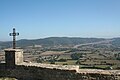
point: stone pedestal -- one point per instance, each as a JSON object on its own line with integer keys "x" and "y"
{"x": 13, "y": 57}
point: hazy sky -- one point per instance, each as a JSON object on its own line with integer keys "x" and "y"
{"x": 35, "y": 19}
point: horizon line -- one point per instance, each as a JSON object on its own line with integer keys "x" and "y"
{"x": 59, "y": 37}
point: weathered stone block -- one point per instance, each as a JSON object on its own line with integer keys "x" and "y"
{"x": 13, "y": 57}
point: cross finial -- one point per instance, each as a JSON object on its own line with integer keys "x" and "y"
{"x": 14, "y": 34}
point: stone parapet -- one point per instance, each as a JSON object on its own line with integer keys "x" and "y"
{"x": 52, "y": 66}
{"x": 71, "y": 67}
{"x": 36, "y": 71}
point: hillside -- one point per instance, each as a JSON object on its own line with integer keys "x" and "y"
{"x": 52, "y": 41}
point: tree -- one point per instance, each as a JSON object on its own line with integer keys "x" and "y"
{"x": 76, "y": 56}
{"x": 78, "y": 62}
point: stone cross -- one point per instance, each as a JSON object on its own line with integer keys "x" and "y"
{"x": 14, "y": 34}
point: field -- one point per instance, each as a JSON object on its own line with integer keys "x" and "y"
{"x": 94, "y": 59}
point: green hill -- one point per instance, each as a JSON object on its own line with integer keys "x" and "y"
{"x": 52, "y": 41}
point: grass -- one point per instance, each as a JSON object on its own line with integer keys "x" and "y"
{"x": 64, "y": 57}
{"x": 69, "y": 62}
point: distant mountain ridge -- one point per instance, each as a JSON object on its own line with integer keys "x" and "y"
{"x": 51, "y": 41}
{"x": 59, "y": 41}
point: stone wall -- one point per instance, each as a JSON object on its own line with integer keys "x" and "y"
{"x": 34, "y": 71}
